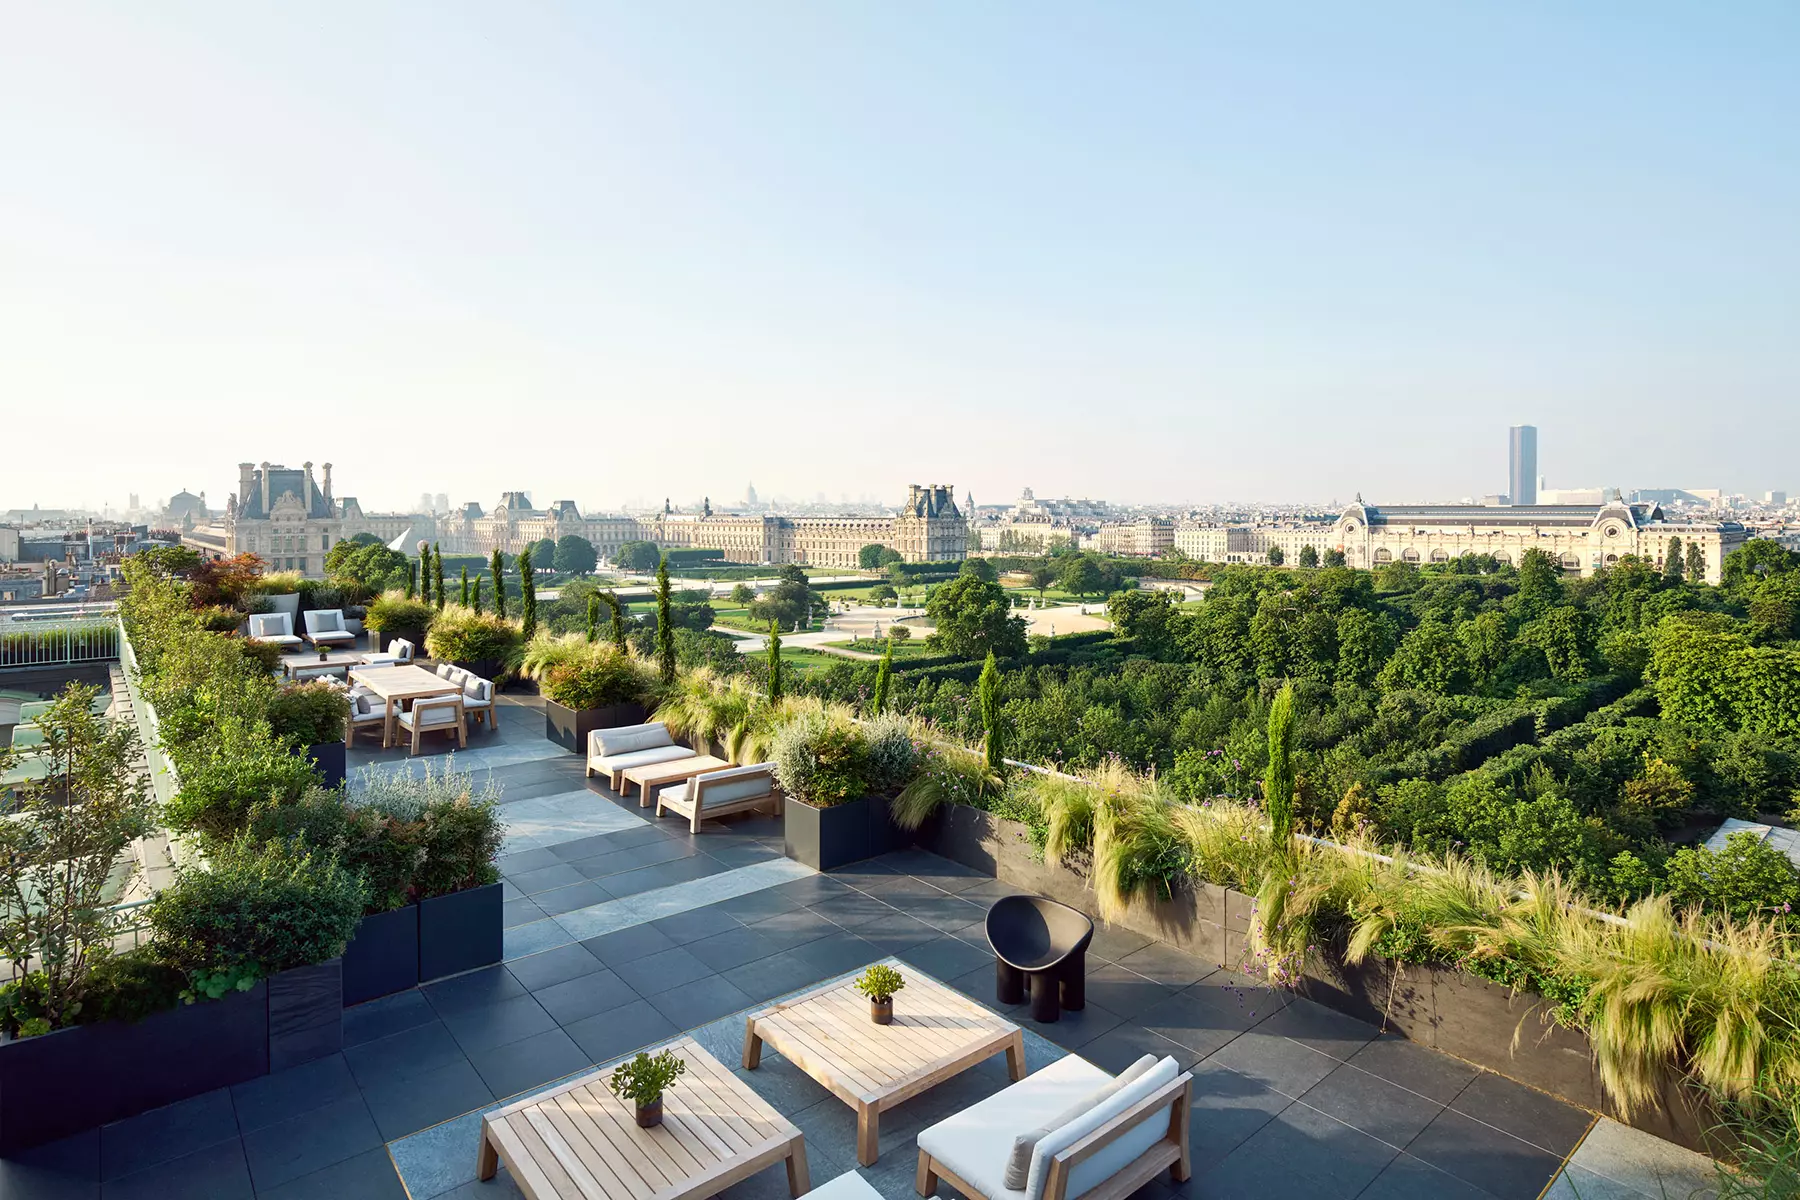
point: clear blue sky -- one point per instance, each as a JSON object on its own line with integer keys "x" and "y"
{"x": 1147, "y": 251}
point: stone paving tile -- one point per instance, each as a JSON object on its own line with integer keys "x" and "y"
{"x": 1489, "y": 1158}
{"x": 166, "y": 1133}
{"x": 217, "y": 1172}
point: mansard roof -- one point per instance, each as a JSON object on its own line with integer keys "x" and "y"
{"x": 283, "y": 481}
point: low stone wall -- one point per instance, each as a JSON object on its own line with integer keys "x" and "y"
{"x": 1446, "y": 1009}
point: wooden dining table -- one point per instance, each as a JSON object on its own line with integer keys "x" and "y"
{"x": 400, "y": 685}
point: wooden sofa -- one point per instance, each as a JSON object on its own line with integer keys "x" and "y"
{"x": 720, "y": 793}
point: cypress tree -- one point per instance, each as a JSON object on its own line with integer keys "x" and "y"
{"x": 593, "y": 624}
{"x": 527, "y": 594}
{"x": 497, "y": 568}
{"x": 465, "y": 587}
{"x": 437, "y": 573}
{"x": 1696, "y": 563}
{"x": 478, "y": 593}
{"x": 618, "y": 619}
{"x": 1674, "y": 566}
{"x": 774, "y": 652}
{"x": 665, "y": 624}
{"x": 412, "y": 580}
{"x": 1278, "y": 782}
{"x": 987, "y": 694}
{"x": 883, "y": 673}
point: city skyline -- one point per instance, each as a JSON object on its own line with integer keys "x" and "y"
{"x": 1158, "y": 255}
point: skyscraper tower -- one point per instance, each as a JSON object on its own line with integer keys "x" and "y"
{"x": 1522, "y": 473}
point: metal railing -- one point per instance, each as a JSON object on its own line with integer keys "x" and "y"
{"x": 57, "y": 641}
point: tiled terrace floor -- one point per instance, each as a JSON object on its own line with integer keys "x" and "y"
{"x": 625, "y": 932}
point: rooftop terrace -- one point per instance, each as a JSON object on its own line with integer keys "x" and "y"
{"x": 624, "y": 932}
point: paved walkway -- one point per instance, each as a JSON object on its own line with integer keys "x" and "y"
{"x": 623, "y": 932}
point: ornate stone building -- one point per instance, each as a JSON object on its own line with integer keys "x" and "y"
{"x": 282, "y": 515}
{"x": 1145, "y": 537}
{"x": 1581, "y": 537}
{"x": 929, "y": 527}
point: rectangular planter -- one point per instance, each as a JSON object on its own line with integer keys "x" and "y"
{"x": 460, "y": 932}
{"x": 569, "y": 727}
{"x": 306, "y": 1014}
{"x": 74, "y": 1079}
{"x": 383, "y": 957}
{"x": 328, "y": 758}
{"x": 828, "y": 838}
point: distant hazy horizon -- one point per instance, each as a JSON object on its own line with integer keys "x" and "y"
{"x": 614, "y": 251}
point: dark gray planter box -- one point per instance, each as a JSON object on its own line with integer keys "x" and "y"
{"x": 306, "y": 1014}
{"x": 383, "y": 957}
{"x": 828, "y": 838}
{"x": 460, "y": 932}
{"x": 569, "y": 727}
{"x": 328, "y": 759}
{"x": 74, "y": 1079}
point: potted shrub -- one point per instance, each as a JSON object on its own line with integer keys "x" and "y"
{"x": 599, "y": 688}
{"x": 456, "y": 881}
{"x": 274, "y": 911}
{"x": 310, "y": 717}
{"x": 642, "y": 1080}
{"x": 821, "y": 762}
{"x": 879, "y": 983}
{"x": 381, "y": 839}
{"x": 486, "y": 644}
{"x": 395, "y": 615}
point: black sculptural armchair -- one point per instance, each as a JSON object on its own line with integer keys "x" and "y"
{"x": 1043, "y": 941}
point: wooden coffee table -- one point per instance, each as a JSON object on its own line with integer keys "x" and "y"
{"x": 580, "y": 1142}
{"x": 651, "y": 776}
{"x": 937, "y": 1033}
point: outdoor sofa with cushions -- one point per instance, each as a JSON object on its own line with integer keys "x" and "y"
{"x": 1087, "y": 1144}
{"x": 325, "y": 627}
{"x": 276, "y": 628}
{"x": 612, "y": 752}
{"x": 717, "y": 793}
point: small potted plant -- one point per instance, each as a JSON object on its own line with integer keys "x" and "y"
{"x": 879, "y": 983}
{"x": 642, "y": 1081}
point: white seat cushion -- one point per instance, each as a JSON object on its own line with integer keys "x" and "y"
{"x": 623, "y": 739}
{"x": 1018, "y": 1163}
{"x": 848, "y": 1186}
{"x": 427, "y": 715}
{"x": 975, "y": 1142}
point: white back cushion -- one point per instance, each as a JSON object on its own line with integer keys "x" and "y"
{"x": 476, "y": 688}
{"x": 324, "y": 620}
{"x": 627, "y": 738}
{"x": 1118, "y": 1153}
{"x": 444, "y": 669}
{"x": 401, "y": 649}
{"x": 738, "y": 783}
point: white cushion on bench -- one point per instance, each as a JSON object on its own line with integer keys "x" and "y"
{"x": 976, "y": 1141}
{"x": 1117, "y": 1154}
{"x": 848, "y": 1186}
{"x": 612, "y": 764}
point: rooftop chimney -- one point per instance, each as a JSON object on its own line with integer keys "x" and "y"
{"x": 265, "y": 489}
{"x": 245, "y": 470}
{"x": 306, "y": 485}
{"x": 328, "y": 481}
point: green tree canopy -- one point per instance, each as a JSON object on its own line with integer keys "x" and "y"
{"x": 980, "y": 568}
{"x": 639, "y": 556}
{"x": 972, "y": 618}
{"x": 574, "y": 555}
